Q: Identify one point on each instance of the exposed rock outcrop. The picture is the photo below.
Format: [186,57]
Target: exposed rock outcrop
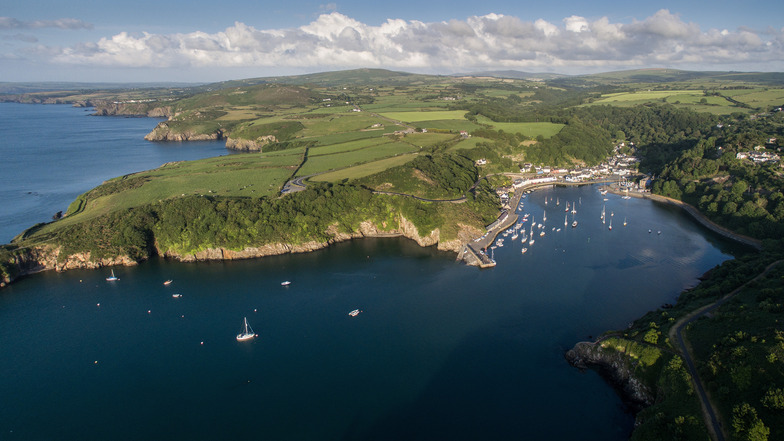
[163,132]
[250,145]
[614,367]
[144,109]
[42,258]
[366,229]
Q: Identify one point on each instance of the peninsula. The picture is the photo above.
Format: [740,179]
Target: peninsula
[369,153]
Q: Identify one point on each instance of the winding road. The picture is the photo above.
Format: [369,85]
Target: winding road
[711,416]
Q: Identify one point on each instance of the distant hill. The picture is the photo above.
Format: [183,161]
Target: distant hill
[670,75]
[513,74]
[34,87]
[355,77]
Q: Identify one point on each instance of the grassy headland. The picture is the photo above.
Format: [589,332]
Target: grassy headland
[359,134]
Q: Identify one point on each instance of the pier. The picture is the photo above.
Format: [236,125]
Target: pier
[473,253]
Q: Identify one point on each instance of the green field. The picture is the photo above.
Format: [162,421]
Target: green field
[327,162]
[347,146]
[530,129]
[360,171]
[245,175]
[468,144]
[427,139]
[758,97]
[449,124]
[693,99]
[413,117]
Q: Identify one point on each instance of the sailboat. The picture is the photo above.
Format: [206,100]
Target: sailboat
[544,216]
[610,223]
[565,222]
[624,221]
[532,240]
[567,207]
[247,332]
[112,278]
[574,208]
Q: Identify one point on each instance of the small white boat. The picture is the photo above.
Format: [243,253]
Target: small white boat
[112,278]
[286,283]
[574,224]
[247,332]
[168,282]
[541,234]
[176,296]
[354,313]
[523,250]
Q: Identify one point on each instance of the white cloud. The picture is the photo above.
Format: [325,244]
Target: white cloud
[337,41]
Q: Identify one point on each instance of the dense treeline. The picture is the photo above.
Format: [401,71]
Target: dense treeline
[737,193]
[194,223]
[739,353]
[436,175]
[579,141]
[660,132]
[453,173]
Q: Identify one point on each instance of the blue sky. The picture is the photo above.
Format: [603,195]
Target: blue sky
[201,41]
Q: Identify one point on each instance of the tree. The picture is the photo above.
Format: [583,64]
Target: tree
[746,425]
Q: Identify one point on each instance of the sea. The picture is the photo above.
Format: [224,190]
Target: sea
[438,351]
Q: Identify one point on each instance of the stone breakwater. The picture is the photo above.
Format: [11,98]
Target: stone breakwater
[46,257]
[614,367]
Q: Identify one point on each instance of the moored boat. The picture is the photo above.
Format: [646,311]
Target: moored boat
[112,278]
[247,332]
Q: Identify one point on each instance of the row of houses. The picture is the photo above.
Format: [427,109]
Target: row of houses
[758,157]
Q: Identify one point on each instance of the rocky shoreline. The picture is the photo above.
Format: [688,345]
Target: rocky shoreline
[614,368]
[46,257]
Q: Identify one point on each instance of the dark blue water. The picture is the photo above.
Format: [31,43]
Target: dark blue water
[439,351]
[53,153]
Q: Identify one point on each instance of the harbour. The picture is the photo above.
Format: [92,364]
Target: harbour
[436,349]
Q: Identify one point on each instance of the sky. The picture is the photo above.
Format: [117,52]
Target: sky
[205,41]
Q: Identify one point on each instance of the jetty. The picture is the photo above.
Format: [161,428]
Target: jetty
[474,253]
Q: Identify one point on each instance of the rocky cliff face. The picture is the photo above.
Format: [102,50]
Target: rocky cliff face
[163,133]
[42,258]
[250,145]
[105,108]
[614,367]
[366,229]
[45,258]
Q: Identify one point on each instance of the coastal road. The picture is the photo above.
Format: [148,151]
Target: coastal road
[676,334]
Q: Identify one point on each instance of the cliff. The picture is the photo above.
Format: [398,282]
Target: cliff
[28,261]
[250,145]
[615,367]
[45,257]
[164,133]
